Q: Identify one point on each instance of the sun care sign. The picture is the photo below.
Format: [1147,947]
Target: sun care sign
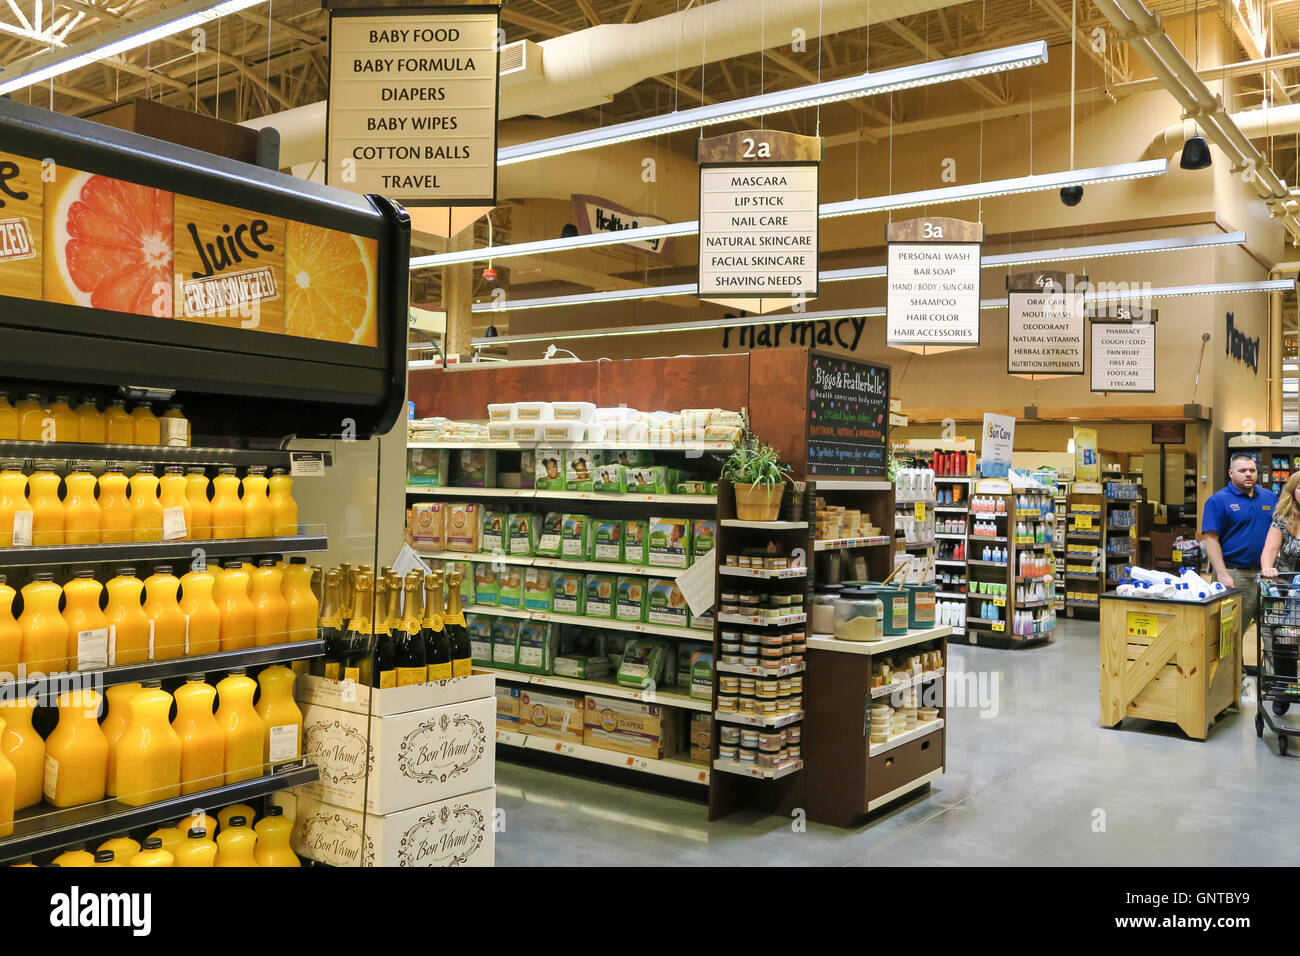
[999,436]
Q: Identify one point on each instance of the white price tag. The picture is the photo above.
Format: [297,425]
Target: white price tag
[51,782]
[92,649]
[112,645]
[282,742]
[22,529]
[174,524]
[306,464]
[150,657]
[175,431]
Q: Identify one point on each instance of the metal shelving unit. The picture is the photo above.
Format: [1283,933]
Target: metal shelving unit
[158,550]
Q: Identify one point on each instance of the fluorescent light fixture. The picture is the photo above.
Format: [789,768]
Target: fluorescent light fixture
[129,36]
[1171,292]
[1172,244]
[850,87]
[851,207]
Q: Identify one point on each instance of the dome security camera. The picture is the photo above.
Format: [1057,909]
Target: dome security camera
[1072,195]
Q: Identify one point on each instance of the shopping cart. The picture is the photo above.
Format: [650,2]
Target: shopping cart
[1278,648]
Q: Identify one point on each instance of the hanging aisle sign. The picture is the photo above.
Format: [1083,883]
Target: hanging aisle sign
[1045,324]
[1124,351]
[934,282]
[999,439]
[759,199]
[412,108]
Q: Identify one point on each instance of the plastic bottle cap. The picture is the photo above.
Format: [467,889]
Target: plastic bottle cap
[238,822]
[231,564]
[61,398]
[197,833]
[195,470]
[43,576]
[266,563]
[153,684]
[279,471]
[195,677]
[275,811]
[124,572]
[152,843]
[85,573]
[228,470]
[175,469]
[298,559]
[104,856]
[162,569]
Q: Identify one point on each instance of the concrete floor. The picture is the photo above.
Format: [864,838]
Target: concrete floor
[1039,783]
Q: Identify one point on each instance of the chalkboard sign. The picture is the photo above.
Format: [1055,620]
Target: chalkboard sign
[848,417]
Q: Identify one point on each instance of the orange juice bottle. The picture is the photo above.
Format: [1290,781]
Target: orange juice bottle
[76,752]
[31,419]
[123,847]
[8,790]
[226,814]
[149,751]
[304,606]
[11,635]
[237,844]
[257,506]
[169,837]
[284,510]
[271,617]
[178,515]
[238,616]
[118,425]
[47,509]
[87,624]
[200,513]
[67,427]
[45,632]
[115,517]
[175,427]
[24,748]
[199,818]
[145,423]
[81,512]
[243,727]
[152,854]
[15,509]
[197,850]
[201,611]
[203,743]
[129,634]
[273,832]
[115,721]
[163,609]
[146,509]
[281,715]
[75,856]
[227,510]
[8,419]
[91,425]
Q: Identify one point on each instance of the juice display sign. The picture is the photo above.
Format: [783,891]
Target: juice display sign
[229,266]
[21,198]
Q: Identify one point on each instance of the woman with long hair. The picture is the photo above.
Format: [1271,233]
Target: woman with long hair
[1282,546]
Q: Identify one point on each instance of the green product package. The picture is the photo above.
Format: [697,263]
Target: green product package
[494,532]
[644,662]
[601,595]
[569,592]
[480,638]
[702,675]
[631,598]
[574,534]
[505,643]
[468,591]
[704,536]
[608,478]
[636,541]
[645,480]
[549,535]
[607,541]
[579,463]
[670,542]
[536,652]
[582,667]
[427,467]
[511,581]
[548,469]
[666,603]
[537,589]
[630,458]
[521,533]
[487,587]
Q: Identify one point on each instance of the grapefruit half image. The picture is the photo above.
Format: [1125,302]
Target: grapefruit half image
[108,244]
[329,279]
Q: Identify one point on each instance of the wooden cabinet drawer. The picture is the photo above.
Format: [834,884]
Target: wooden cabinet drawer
[901,765]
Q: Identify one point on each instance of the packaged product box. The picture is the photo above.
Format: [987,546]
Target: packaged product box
[666,604]
[630,605]
[510,581]
[704,536]
[578,466]
[670,543]
[463,529]
[625,726]
[583,667]
[686,652]
[507,707]
[700,754]
[494,532]
[574,535]
[606,541]
[551,715]
[391,701]
[568,592]
[692,487]
[487,588]
[528,468]
[548,470]
[701,729]
[428,467]
[458,831]
[468,592]
[427,524]
[550,534]
[537,589]
[601,595]
[536,652]
[702,675]
[644,659]
[480,638]
[415,758]
[608,478]
[522,531]
[636,536]
[475,468]
[645,480]
[505,642]
[631,458]
[704,622]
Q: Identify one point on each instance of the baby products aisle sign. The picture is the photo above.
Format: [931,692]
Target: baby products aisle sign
[848,417]
[995,450]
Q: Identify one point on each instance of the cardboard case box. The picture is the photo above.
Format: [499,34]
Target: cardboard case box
[643,730]
[551,715]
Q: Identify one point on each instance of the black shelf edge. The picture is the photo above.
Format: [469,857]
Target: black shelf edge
[162,454]
[158,550]
[157,670]
[59,828]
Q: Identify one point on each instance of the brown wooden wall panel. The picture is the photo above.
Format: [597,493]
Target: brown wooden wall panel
[778,402]
[671,384]
[467,394]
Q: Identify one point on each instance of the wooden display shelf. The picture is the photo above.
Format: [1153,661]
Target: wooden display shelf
[922,729]
[771,574]
[831,544]
[759,720]
[598,497]
[763,773]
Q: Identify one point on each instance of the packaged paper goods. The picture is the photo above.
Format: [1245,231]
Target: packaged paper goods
[493,536]
[601,595]
[463,530]
[510,587]
[414,758]
[669,543]
[443,429]
[458,831]
[548,469]
[475,468]
[578,465]
[501,431]
[567,431]
[620,414]
[573,411]
[487,587]
[427,520]
[704,535]
[507,698]
[550,715]
[569,592]
[636,541]
[480,638]
[505,642]
[643,730]
[645,480]
[647,659]
[533,412]
[537,589]
[606,540]
[631,601]
[702,675]
[701,730]
[522,531]
[575,534]
[468,594]
[428,466]
[583,666]
[536,649]
[627,430]
[608,478]
[550,535]
[665,603]
[501,412]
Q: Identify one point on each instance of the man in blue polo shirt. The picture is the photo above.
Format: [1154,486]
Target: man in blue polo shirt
[1233,529]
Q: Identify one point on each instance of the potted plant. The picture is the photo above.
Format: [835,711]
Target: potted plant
[758,476]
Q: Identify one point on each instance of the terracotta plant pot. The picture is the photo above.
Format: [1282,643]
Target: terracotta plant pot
[758,502]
